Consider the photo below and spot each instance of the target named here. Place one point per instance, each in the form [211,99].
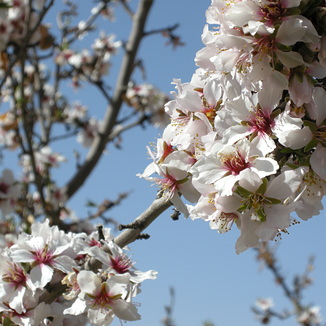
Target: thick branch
[99,143]
[143,221]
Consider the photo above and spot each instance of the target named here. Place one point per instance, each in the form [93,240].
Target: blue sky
[211,281]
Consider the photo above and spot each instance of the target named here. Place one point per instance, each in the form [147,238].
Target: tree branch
[143,221]
[100,141]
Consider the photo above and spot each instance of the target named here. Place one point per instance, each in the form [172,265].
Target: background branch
[100,141]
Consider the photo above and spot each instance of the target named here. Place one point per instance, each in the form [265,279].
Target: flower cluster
[88,65]
[50,276]
[17,18]
[146,98]
[246,142]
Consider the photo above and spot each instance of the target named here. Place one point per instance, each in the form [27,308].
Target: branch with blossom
[246,142]
[306,315]
[60,271]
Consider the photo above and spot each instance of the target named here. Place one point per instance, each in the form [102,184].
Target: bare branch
[120,129]
[162,30]
[143,221]
[99,144]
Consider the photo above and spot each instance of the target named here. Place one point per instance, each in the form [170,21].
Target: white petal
[22,256]
[125,310]
[77,308]
[41,275]
[286,184]
[318,161]
[64,264]
[265,166]
[88,282]
[290,31]
[290,59]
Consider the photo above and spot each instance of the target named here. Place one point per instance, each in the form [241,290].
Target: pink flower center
[15,275]
[272,13]
[234,163]
[121,264]
[103,299]
[44,256]
[94,243]
[167,150]
[261,122]
[265,46]
[169,183]
[210,113]
[4,187]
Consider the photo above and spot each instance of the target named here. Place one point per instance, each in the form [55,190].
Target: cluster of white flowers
[98,280]
[14,16]
[146,98]
[44,159]
[246,141]
[91,65]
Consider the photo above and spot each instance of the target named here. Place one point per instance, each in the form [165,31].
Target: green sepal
[292,11]
[242,208]
[312,144]
[282,161]
[283,48]
[261,214]
[275,113]
[312,125]
[7,322]
[182,180]
[292,166]
[262,188]
[243,192]
[272,201]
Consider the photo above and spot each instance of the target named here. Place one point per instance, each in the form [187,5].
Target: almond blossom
[47,258]
[228,165]
[47,250]
[15,283]
[251,122]
[103,300]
